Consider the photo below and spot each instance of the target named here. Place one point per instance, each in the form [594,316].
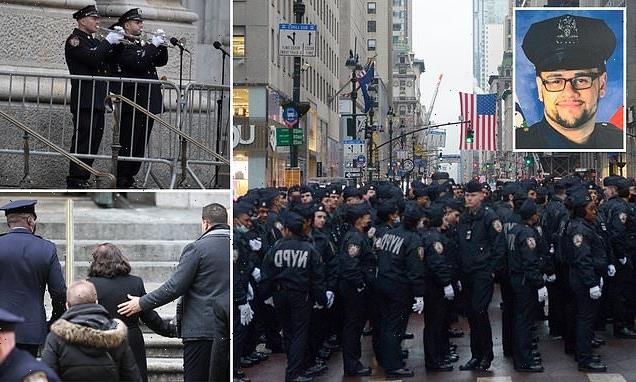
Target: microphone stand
[219,117]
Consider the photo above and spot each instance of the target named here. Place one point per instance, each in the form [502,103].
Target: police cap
[132,14]
[351,191]
[473,186]
[87,11]
[612,180]
[20,207]
[293,221]
[242,207]
[569,42]
[510,189]
[306,210]
[527,209]
[579,199]
[8,320]
[356,211]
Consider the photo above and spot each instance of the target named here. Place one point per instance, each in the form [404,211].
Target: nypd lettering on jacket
[291,258]
[390,243]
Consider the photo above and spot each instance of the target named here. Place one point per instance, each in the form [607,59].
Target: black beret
[486,186]
[527,209]
[473,186]
[420,191]
[568,42]
[453,204]
[412,212]
[387,207]
[306,210]
[292,221]
[436,215]
[624,184]
[304,189]
[243,208]
[520,195]
[510,189]
[351,191]
[611,180]
[356,211]
[87,11]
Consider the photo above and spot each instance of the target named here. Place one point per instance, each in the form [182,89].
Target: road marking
[494,379]
[606,378]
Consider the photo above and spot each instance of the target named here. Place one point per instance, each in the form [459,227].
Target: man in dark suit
[28,263]
[202,279]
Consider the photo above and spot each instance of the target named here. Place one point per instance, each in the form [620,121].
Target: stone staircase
[150,237]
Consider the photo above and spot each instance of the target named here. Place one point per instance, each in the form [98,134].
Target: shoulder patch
[438,247]
[532,244]
[420,253]
[353,250]
[623,217]
[74,41]
[577,240]
[496,225]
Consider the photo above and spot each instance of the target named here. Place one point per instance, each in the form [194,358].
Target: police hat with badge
[569,42]
[20,207]
[8,321]
[87,11]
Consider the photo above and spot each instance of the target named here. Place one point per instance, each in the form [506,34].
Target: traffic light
[470,136]
[529,160]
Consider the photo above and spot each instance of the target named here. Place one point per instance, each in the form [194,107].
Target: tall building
[263,82]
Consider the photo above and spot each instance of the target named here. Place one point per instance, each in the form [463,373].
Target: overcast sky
[442,33]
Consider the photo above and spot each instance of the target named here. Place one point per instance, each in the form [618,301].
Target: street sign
[352,149]
[290,116]
[288,137]
[352,174]
[402,154]
[362,160]
[408,165]
[297,40]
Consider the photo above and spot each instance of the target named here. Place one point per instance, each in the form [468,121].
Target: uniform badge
[438,247]
[371,232]
[420,253]
[568,31]
[74,42]
[496,224]
[532,244]
[353,250]
[577,240]
[623,217]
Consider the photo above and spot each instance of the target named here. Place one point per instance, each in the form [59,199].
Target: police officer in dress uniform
[138,60]
[569,54]
[482,248]
[294,274]
[18,365]
[585,280]
[87,56]
[28,264]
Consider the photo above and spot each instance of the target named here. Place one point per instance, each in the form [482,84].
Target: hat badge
[568,31]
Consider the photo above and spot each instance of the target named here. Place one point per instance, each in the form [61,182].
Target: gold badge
[439,248]
[623,217]
[496,224]
[532,244]
[74,42]
[353,250]
[577,240]
[420,252]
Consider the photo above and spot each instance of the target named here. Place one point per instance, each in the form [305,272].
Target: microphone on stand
[174,41]
[218,46]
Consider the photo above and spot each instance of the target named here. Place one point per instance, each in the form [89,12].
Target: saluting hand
[130,307]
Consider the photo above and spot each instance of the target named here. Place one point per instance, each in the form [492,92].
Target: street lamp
[390,114]
[353,65]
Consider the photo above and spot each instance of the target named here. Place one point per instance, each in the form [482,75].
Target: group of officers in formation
[318,263]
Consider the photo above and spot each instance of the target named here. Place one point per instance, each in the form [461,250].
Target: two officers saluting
[122,53]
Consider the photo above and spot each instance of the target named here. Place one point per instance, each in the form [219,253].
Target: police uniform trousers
[619,291]
[556,302]
[135,129]
[88,129]
[507,315]
[569,317]
[196,360]
[355,308]
[318,332]
[265,324]
[293,309]
[239,332]
[586,310]
[435,332]
[478,290]
[395,307]
[524,305]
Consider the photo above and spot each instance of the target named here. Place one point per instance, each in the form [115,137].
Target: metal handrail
[28,131]
[169,127]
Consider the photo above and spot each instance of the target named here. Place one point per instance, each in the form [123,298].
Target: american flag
[481,110]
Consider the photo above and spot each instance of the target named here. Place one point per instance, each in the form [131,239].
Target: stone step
[134,250]
[165,369]
[162,347]
[150,271]
[144,229]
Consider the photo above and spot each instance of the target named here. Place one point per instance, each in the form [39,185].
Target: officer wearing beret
[138,60]
[581,244]
[28,263]
[87,56]
[16,364]
[569,54]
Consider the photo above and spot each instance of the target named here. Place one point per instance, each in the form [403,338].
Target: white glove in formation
[256,273]
[330,297]
[418,307]
[542,294]
[595,292]
[611,270]
[449,293]
[159,38]
[114,38]
[246,314]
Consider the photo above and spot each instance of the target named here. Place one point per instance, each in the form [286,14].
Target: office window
[370,26]
[371,44]
[397,27]
[238,42]
[371,8]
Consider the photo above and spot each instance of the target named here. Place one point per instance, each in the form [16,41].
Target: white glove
[551,278]
[595,292]
[250,292]
[114,38]
[418,307]
[160,32]
[256,273]
[360,289]
[158,40]
[601,283]
[449,293]
[246,314]
[543,294]
[611,270]
[269,301]
[623,260]
[256,244]
[330,297]
[459,285]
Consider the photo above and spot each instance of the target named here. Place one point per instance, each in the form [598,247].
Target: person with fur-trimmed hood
[85,344]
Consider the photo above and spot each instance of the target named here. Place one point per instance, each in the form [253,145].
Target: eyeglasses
[578,82]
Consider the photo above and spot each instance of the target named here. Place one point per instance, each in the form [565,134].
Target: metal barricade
[43,103]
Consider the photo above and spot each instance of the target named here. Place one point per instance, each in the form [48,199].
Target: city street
[559,367]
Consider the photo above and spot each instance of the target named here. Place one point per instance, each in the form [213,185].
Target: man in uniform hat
[16,364]
[87,56]
[28,263]
[569,54]
[138,60]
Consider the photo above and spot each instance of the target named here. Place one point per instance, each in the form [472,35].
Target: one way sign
[297,40]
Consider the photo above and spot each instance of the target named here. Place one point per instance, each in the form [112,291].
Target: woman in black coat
[110,273]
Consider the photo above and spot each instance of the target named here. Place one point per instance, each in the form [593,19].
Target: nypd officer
[138,60]
[293,273]
[569,54]
[87,56]
[15,364]
[482,249]
[28,263]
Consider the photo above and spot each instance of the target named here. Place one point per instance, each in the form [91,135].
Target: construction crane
[427,116]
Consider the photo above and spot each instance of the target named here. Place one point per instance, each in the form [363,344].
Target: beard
[572,123]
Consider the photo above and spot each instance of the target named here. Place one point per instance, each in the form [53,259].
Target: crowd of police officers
[314,266]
